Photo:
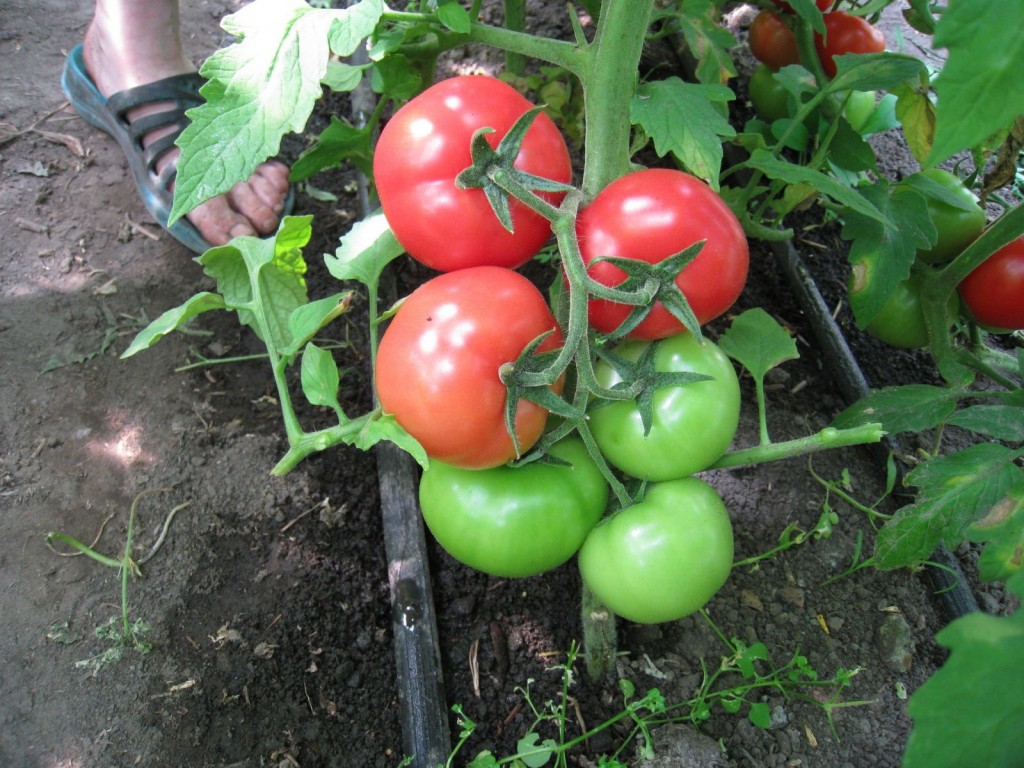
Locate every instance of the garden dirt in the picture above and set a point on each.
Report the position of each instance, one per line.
(267, 597)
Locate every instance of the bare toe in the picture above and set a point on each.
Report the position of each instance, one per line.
(218, 222)
(244, 199)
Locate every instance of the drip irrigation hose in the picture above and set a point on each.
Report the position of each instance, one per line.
(422, 706)
(947, 578)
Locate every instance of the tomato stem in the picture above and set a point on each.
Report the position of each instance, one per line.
(826, 439)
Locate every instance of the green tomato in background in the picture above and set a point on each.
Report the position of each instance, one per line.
(858, 108)
(955, 212)
(515, 521)
(768, 96)
(900, 322)
(693, 424)
(664, 558)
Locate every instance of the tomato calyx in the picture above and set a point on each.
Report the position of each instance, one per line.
(652, 283)
(642, 380)
(493, 172)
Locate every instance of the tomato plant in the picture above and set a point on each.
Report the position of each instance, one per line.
(426, 144)
(900, 322)
(650, 215)
(846, 34)
(437, 366)
(994, 291)
(954, 210)
(691, 425)
(823, 5)
(772, 41)
(663, 558)
(515, 521)
(768, 96)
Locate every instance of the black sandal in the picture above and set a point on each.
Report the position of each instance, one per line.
(179, 93)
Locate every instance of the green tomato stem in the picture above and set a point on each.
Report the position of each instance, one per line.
(826, 439)
(599, 638)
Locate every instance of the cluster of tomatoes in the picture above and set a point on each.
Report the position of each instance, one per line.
(992, 295)
(439, 363)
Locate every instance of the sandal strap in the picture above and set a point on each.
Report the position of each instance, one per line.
(176, 94)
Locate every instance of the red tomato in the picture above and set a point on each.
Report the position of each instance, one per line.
(427, 144)
(846, 34)
(649, 215)
(772, 41)
(994, 291)
(437, 365)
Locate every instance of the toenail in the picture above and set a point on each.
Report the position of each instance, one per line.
(241, 230)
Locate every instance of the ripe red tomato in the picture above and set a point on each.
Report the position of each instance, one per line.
(994, 291)
(437, 365)
(772, 41)
(427, 144)
(649, 215)
(846, 34)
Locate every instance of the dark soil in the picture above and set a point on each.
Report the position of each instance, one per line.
(268, 599)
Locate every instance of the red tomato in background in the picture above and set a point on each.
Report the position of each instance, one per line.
(650, 215)
(846, 34)
(426, 144)
(772, 41)
(994, 291)
(437, 365)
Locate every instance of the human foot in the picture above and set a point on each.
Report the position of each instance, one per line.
(252, 207)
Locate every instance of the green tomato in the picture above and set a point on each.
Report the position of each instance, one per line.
(515, 521)
(858, 107)
(901, 321)
(693, 424)
(954, 210)
(664, 558)
(768, 96)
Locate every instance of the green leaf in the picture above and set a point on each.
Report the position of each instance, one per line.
(454, 17)
(980, 90)
(263, 280)
(341, 77)
(684, 119)
(757, 342)
(1002, 422)
(533, 754)
(396, 76)
(882, 252)
(365, 251)
(760, 715)
(261, 88)
(707, 40)
(910, 408)
(916, 113)
(382, 426)
(338, 142)
(320, 377)
(852, 199)
(969, 712)
(307, 320)
(874, 71)
(850, 151)
(173, 319)
(953, 492)
(1002, 531)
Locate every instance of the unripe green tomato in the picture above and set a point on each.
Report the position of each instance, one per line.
(958, 224)
(901, 320)
(515, 521)
(768, 96)
(693, 424)
(664, 558)
(859, 106)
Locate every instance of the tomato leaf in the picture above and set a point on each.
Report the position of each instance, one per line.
(963, 714)
(260, 88)
(980, 90)
(173, 319)
(1002, 531)
(706, 39)
(910, 408)
(263, 279)
(396, 76)
(338, 142)
(781, 170)
(757, 342)
(379, 426)
(883, 251)
(953, 492)
(1001, 422)
(365, 251)
(454, 17)
(686, 120)
(320, 378)
(874, 71)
